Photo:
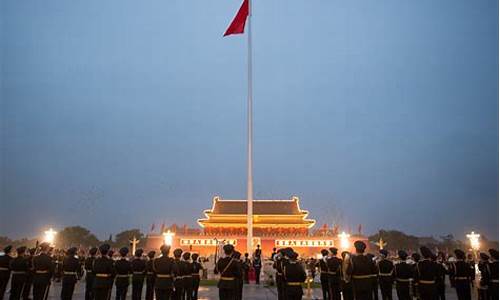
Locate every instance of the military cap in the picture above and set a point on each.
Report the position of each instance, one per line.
(334, 250)
(493, 253)
(178, 252)
(459, 254)
(104, 249)
(21, 250)
(93, 251)
(186, 255)
(138, 252)
(194, 256)
(228, 249)
(151, 254)
(383, 252)
(484, 256)
(72, 251)
(324, 252)
(7, 249)
(402, 254)
(123, 251)
(165, 249)
(360, 246)
(246, 254)
(426, 252)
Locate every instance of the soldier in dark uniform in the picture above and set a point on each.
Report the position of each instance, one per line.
(179, 278)
(5, 270)
(278, 266)
(385, 275)
(426, 274)
(294, 275)
(440, 280)
(403, 273)
(89, 274)
(414, 287)
(493, 287)
(150, 276)
(322, 265)
(71, 270)
(246, 268)
(196, 267)
(462, 273)
(334, 274)
(138, 266)
(257, 264)
(239, 280)
(19, 267)
(362, 270)
(346, 281)
(187, 280)
(43, 266)
(29, 275)
(229, 270)
(482, 289)
(123, 270)
(104, 271)
(165, 270)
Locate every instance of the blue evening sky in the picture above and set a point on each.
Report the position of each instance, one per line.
(117, 114)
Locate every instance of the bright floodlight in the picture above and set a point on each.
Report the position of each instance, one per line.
(50, 236)
(344, 240)
(474, 240)
(168, 238)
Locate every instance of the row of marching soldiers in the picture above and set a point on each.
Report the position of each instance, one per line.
(166, 278)
(359, 276)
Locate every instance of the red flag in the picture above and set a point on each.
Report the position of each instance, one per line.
(237, 26)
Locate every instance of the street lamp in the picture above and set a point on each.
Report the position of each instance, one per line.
(49, 236)
(344, 240)
(168, 238)
(474, 240)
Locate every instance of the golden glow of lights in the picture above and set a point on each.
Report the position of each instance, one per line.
(168, 238)
(49, 236)
(344, 240)
(474, 240)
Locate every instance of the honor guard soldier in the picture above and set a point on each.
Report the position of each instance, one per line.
(19, 268)
(493, 288)
(462, 274)
(103, 269)
(196, 267)
(362, 270)
(403, 272)
(346, 280)
(187, 279)
(179, 277)
(71, 270)
(426, 274)
(5, 270)
(385, 275)
(138, 266)
(150, 276)
(89, 274)
(278, 266)
(229, 270)
(29, 275)
(43, 266)
(334, 274)
(482, 289)
(414, 287)
(246, 268)
(294, 275)
(122, 271)
(165, 269)
(257, 264)
(440, 280)
(322, 265)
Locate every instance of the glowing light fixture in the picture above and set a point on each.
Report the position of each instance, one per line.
(168, 238)
(49, 236)
(344, 240)
(474, 240)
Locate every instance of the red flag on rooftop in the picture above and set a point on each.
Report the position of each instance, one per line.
(237, 26)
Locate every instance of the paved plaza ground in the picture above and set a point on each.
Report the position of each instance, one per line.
(251, 292)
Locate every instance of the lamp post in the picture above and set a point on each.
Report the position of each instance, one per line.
(168, 238)
(474, 242)
(49, 236)
(344, 240)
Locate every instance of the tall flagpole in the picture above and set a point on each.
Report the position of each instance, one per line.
(250, 138)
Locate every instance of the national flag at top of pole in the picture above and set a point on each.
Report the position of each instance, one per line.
(237, 26)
